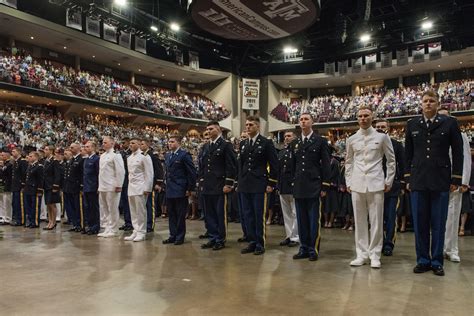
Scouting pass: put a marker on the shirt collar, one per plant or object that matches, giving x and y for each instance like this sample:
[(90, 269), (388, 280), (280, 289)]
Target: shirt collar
[(254, 139), (176, 151), (213, 142), (307, 136), (138, 151), (431, 119), (367, 131)]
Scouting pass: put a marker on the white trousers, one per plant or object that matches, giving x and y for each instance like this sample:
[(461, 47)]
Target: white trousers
[(368, 204), (452, 223), (288, 209), (108, 205), (138, 214), (6, 206)]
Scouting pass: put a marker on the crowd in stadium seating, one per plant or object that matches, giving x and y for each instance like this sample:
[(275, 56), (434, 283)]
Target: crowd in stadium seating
[(24, 70), (457, 96)]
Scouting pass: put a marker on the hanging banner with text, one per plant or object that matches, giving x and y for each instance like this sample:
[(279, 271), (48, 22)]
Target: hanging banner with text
[(356, 65), (125, 39), (402, 57), (371, 61), (434, 50), (330, 68), (342, 67), (194, 60), (251, 94), (92, 27), (386, 59), (74, 19), (140, 45), (418, 54), (110, 33), (10, 3)]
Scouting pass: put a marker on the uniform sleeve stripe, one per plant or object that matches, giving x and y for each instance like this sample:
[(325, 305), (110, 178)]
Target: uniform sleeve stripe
[(407, 174), (273, 180), (326, 183), (230, 179), (456, 176)]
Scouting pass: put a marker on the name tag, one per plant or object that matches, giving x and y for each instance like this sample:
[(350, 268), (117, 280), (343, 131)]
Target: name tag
[(414, 133)]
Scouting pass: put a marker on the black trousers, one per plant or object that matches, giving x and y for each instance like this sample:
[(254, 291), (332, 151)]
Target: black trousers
[(91, 210), (177, 209)]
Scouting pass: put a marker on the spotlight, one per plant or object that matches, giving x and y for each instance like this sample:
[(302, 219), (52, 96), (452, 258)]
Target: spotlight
[(427, 25), (175, 27), (154, 28), (289, 50), (365, 38), (120, 3)]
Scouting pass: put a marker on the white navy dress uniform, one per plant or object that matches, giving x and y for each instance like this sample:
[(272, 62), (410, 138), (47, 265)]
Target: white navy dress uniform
[(140, 180), (111, 176), (451, 250), (365, 177)]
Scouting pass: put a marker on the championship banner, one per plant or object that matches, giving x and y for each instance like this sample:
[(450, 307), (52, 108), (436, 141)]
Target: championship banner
[(110, 33), (330, 68), (386, 59), (342, 67), (179, 58), (356, 65), (402, 57), (290, 57), (371, 61), (92, 27), (74, 20), (140, 45), (125, 39), (418, 54), (194, 60), (434, 50), (10, 3), (251, 94)]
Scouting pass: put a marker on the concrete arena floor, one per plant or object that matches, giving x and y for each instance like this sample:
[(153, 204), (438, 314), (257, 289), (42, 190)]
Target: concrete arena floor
[(62, 273)]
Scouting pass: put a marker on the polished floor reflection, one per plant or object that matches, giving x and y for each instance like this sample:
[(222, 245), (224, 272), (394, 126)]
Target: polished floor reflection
[(62, 273)]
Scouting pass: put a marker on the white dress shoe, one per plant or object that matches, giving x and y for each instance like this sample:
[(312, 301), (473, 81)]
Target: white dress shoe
[(454, 258), (102, 234), (131, 237), (139, 238), (357, 262), (375, 263), (111, 235)]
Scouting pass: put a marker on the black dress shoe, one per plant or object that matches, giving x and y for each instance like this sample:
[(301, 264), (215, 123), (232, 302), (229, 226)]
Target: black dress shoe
[(438, 270), (122, 227), (313, 257), (387, 252), (248, 249), (72, 229), (168, 241), (15, 224), (292, 244), (92, 232), (420, 268), (178, 242), (243, 239), (285, 242), (78, 230), (204, 236), (301, 255), (218, 246), (33, 226), (208, 245), (259, 251), (84, 231), (128, 228)]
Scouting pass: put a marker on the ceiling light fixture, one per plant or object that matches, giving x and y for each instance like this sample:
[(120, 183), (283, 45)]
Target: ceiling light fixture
[(427, 25), (175, 27), (154, 28), (290, 50), (365, 38), (120, 3)]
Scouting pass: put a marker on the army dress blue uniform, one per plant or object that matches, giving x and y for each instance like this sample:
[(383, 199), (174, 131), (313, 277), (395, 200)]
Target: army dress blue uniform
[(312, 168), (392, 198), (33, 192), (52, 181), (19, 167), (217, 168), (72, 189), (180, 178), (91, 195), (258, 168), (152, 198), (429, 174), (124, 205)]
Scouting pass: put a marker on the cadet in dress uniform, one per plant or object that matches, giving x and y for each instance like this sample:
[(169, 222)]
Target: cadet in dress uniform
[(367, 183), (124, 206), (90, 189), (52, 180), (217, 173), (111, 174), (140, 185), (19, 167), (430, 177), (5, 188), (157, 184), (331, 202), (451, 250), (311, 182), (392, 198), (258, 172), (73, 189), (33, 190), (285, 189), (243, 140), (180, 181)]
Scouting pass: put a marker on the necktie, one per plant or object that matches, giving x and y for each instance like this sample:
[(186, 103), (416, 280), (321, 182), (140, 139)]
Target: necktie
[(428, 124), (305, 140)]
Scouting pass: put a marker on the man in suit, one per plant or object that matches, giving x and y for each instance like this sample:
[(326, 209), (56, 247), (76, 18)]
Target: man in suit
[(217, 173), (258, 173), (367, 183), (311, 181), (157, 184), (180, 182), (52, 181), (73, 189), (33, 190), (111, 175), (285, 189), (5, 188), (19, 167), (140, 185), (451, 250), (392, 198), (124, 206), (90, 188), (431, 177)]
